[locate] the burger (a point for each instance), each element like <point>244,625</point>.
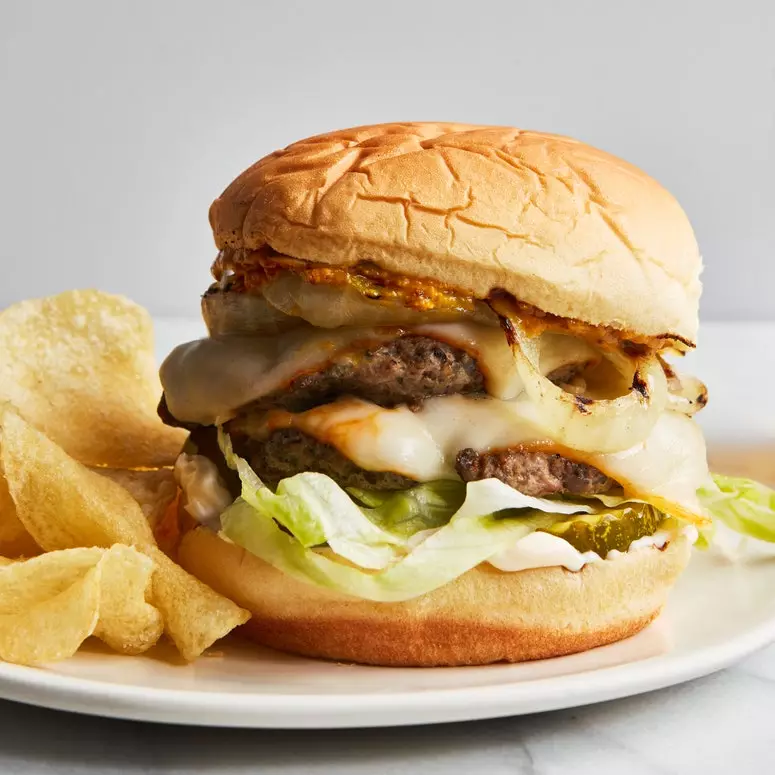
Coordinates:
<point>435,421</point>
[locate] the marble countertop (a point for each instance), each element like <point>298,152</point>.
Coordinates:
<point>714,726</point>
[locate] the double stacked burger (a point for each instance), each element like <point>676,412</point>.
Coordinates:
<point>434,421</point>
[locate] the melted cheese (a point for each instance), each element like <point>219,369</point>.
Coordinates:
<point>207,381</point>
<point>669,465</point>
<point>496,359</point>
<point>422,445</point>
<point>210,380</point>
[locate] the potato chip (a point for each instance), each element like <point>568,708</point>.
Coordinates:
<point>153,489</point>
<point>43,577</point>
<point>195,616</point>
<point>15,541</point>
<point>62,503</point>
<point>80,366</point>
<point>127,622</point>
<point>48,605</point>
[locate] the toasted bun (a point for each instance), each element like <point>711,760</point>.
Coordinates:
<point>560,225</point>
<point>483,616</point>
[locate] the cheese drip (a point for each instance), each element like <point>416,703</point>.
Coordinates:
<point>422,445</point>
<point>666,468</point>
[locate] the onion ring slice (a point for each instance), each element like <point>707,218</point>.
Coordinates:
<point>686,394</point>
<point>587,424</point>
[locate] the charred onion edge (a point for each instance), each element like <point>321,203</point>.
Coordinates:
<point>687,395</point>
<point>577,421</point>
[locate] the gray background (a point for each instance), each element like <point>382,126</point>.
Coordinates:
<point>121,122</point>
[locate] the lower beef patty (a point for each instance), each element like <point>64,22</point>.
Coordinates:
<point>533,472</point>
<point>288,451</point>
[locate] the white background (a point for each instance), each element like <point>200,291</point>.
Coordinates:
<point>120,122</point>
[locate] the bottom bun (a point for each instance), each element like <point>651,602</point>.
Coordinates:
<point>484,616</point>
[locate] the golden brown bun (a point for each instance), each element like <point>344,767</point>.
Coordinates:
<point>562,226</point>
<point>483,616</point>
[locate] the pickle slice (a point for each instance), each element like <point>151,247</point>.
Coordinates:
<point>610,529</point>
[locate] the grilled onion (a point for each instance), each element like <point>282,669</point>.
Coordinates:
<point>232,312</point>
<point>686,394</point>
<point>591,424</point>
<point>329,306</point>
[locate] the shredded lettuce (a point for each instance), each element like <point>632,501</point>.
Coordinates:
<point>400,545</point>
<point>743,505</point>
<point>476,532</point>
<point>315,510</point>
<point>462,526</point>
<point>408,512</point>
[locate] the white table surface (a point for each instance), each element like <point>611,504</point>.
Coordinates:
<point>721,724</point>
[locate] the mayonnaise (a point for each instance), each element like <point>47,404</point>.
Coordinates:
<point>205,496</point>
<point>544,550</point>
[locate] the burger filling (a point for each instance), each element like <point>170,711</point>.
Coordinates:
<point>381,435</point>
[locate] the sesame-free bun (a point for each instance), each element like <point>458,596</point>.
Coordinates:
<point>562,226</point>
<point>483,616</point>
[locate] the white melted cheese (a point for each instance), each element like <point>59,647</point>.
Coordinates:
<point>544,550</point>
<point>670,464</point>
<point>422,445</point>
<point>207,381</point>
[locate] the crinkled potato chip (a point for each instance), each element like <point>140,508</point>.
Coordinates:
<point>195,616</point>
<point>48,605</point>
<point>63,504</point>
<point>80,366</point>
<point>127,623</point>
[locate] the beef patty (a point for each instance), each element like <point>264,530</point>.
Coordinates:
<point>533,472</point>
<point>403,371</point>
<point>288,451</point>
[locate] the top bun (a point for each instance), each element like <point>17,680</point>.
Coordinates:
<point>562,226</point>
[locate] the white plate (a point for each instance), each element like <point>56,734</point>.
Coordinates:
<point>719,612</point>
